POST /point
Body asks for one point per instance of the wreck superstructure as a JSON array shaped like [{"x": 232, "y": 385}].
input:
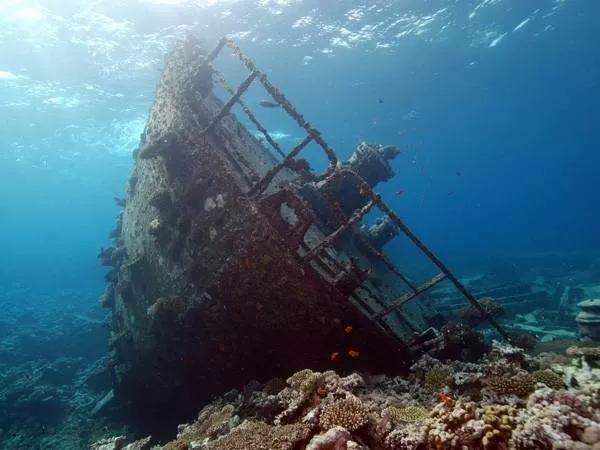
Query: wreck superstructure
[{"x": 233, "y": 261}]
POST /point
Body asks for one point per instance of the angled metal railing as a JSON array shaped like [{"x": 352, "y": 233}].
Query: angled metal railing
[{"x": 333, "y": 171}]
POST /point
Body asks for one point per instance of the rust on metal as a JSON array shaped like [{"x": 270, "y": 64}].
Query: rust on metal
[
  {"x": 400, "y": 301},
  {"x": 285, "y": 104},
  {"x": 260, "y": 187},
  {"x": 243, "y": 87},
  {"x": 329, "y": 240},
  {"x": 291, "y": 224},
  {"x": 249, "y": 113},
  {"x": 332, "y": 172}
]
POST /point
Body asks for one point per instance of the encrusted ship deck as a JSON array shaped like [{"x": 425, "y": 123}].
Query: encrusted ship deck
[{"x": 233, "y": 261}]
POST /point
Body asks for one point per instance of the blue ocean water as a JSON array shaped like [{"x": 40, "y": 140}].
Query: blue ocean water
[{"x": 495, "y": 105}]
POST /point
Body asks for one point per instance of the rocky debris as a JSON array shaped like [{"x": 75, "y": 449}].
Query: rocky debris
[
  {"x": 588, "y": 319},
  {"x": 50, "y": 379}
]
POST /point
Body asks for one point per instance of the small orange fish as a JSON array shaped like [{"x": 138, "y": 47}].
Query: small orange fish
[
  {"x": 447, "y": 399},
  {"x": 335, "y": 355},
  {"x": 353, "y": 353},
  {"x": 348, "y": 328}
]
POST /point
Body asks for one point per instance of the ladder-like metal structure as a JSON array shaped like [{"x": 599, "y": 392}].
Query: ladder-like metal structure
[{"x": 333, "y": 172}]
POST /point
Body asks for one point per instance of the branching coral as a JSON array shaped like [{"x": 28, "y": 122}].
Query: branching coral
[
  {"x": 305, "y": 381},
  {"x": 438, "y": 377},
  {"x": 547, "y": 424},
  {"x": 520, "y": 385},
  {"x": 546, "y": 418},
  {"x": 410, "y": 437},
  {"x": 349, "y": 413},
  {"x": 454, "y": 426},
  {"x": 549, "y": 378},
  {"x": 523, "y": 385}
]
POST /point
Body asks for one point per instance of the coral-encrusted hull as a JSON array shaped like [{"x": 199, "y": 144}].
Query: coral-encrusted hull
[{"x": 206, "y": 293}]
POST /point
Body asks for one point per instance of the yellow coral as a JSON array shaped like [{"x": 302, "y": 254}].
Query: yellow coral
[
  {"x": 305, "y": 381},
  {"x": 411, "y": 413},
  {"x": 549, "y": 378},
  {"x": 349, "y": 413},
  {"x": 499, "y": 422}
]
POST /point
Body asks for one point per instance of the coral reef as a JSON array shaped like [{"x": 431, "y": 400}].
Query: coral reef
[
  {"x": 461, "y": 342},
  {"x": 53, "y": 379},
  {"x": 520, "y": 408},
  {"x": 258, "y": 435}
]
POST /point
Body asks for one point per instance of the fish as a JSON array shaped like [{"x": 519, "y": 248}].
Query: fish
[
  {"x": 446, "y": 398},
  {"x": 459, "y": 173},
  {"x": 379, "y": 100},
  {"x": 348, "y": 328},
  {"x": 268, "y": 104},
  {"x": 335, "y": 355},
  {"x": 398, "y": 193},
  {"x": 353, "y": 353}
]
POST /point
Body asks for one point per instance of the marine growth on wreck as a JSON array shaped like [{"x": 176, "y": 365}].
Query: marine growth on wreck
[{"x": 233, "y": 261}]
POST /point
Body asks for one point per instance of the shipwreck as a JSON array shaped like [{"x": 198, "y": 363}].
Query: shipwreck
[{"x": 232, "y": 260}]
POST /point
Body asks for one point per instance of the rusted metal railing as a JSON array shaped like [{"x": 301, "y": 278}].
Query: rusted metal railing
[{"x": 333, "y": 171}]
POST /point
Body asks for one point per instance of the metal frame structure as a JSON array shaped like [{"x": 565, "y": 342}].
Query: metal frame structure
[{"x": 333, "y": 171}]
